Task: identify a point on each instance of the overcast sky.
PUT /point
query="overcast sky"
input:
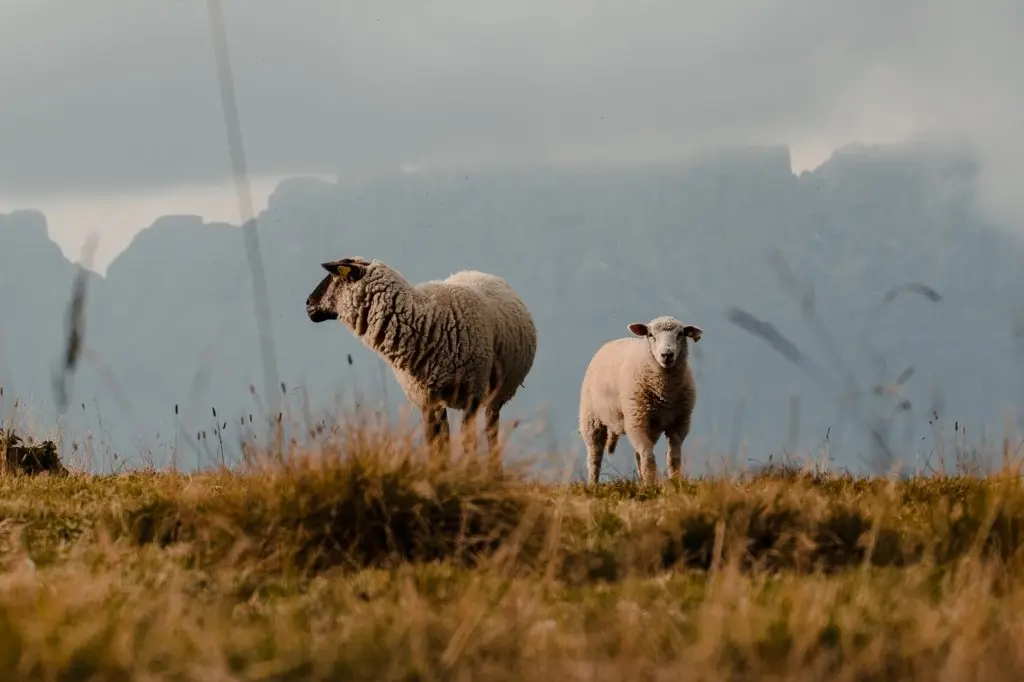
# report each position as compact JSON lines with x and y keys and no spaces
{"x":113,"y":103}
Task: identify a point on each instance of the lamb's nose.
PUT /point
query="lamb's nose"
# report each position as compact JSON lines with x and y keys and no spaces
{"x":667,"y":357}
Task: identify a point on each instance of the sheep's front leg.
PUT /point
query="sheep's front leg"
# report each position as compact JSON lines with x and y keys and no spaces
{"x":675,"y":455}
{"x":675,"y":437}
{"x":435,"y":418}
{"x":643,"y":446}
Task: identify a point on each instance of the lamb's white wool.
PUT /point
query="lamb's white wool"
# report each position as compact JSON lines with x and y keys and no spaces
{"x":641,"y":387}
{"x":466,"y":342}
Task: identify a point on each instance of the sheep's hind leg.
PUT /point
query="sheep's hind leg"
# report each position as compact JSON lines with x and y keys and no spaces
{"x":595,"y":437}
{"x":469,"y":430}
{"x":491,"y":424}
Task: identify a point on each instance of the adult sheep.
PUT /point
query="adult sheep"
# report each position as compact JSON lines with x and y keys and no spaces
{"x":466,"y":342}
{"x":641,"y":387}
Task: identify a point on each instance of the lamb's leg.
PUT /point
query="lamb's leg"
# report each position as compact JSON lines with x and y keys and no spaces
{"x":435,"y":419}
{"x":675,"y":455}
{"x":595,"y":437}
{"x":643,"y":446}
{"x":675,"y":439}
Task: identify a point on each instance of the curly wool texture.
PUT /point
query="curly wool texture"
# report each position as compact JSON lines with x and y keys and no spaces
{"x":625,"y":391}
{"x":514,"y":332}
{"x":468,"y":338}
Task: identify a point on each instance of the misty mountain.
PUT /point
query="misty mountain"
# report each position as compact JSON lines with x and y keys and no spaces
{"x":590,"y":251}
{"x":36,"y":283}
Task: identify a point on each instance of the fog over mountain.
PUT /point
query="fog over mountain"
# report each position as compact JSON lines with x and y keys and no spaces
{"x":590,"y":251}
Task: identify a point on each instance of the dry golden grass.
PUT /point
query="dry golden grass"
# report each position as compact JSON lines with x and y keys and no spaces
{"x":359,"y":559}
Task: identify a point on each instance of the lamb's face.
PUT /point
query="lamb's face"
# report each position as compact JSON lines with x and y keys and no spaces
{"x":341,"y":294}
{"x":666,"y":338}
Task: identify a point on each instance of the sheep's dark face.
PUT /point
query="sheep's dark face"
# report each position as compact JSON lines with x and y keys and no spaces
{"x":339,"y":295}
{"x":319,"y":304}
{"x":666,"y":338}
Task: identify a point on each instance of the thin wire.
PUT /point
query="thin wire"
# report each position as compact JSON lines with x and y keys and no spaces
{"x":261,"y":304}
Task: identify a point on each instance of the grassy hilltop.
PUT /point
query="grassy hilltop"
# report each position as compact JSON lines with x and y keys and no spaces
{"x":360,"y":559}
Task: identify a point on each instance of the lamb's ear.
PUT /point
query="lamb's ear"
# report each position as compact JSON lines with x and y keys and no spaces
{"x":693,"y":332}
{"x":345,"y":269}
{"x":637,"y":328}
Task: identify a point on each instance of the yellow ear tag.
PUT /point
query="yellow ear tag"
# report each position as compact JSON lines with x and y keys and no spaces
{"x":342,"y":270}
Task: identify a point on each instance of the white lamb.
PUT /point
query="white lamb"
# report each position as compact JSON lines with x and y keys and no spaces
{"x":466,"y":342}
{"x":641,"y":387}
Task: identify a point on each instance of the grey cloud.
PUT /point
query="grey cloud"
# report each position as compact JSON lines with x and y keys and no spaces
{"x":106,"y":95}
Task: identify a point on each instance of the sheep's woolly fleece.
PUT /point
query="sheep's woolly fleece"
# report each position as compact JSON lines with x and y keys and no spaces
{"x":463,"y":340}
{"x":640,"y":387}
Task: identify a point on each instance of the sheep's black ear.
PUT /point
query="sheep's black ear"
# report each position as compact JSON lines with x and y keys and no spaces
{"x":637,"y":328}
{"x":345,"y":269}
{"x":693,"y":332}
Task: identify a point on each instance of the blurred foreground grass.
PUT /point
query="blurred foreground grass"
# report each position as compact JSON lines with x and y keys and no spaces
{"x":361,"y":560}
